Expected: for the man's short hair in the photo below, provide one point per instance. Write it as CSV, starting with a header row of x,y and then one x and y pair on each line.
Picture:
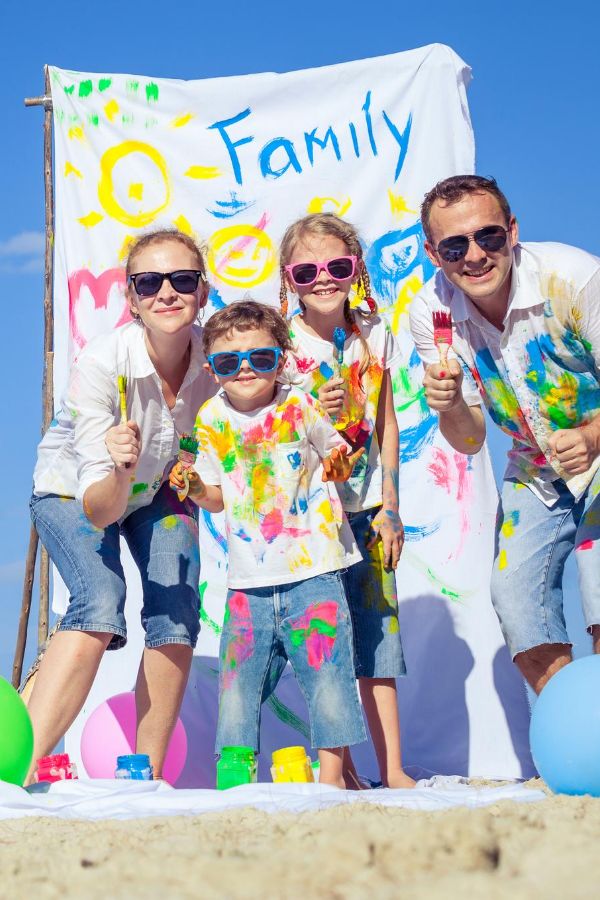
x,y
453,189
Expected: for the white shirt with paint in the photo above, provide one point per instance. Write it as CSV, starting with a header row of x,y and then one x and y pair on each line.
x,y
72,454
313,363
283,523
542,371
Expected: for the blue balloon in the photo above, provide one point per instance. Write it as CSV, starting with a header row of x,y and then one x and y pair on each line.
x,y
565,729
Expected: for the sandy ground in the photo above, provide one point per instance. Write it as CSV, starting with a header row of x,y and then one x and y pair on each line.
x,y
508,850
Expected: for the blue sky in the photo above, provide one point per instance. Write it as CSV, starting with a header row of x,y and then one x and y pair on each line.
x,y
533,100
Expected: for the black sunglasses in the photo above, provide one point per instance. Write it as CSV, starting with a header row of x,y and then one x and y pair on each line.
x,y
229,362
491,238
184,281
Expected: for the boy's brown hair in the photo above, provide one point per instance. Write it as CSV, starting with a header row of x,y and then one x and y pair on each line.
x,y
244,315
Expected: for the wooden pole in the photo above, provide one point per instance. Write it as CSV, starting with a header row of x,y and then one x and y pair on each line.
x,y
47,397
48,382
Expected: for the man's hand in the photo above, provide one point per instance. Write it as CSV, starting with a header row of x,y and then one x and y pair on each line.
x,y
442,385
338,465
331,396
387,527
124,445
575,448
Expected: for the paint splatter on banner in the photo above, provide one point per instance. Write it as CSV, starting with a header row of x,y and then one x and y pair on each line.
x,y
232,161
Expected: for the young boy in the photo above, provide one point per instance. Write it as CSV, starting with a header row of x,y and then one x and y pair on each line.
x,y
261,449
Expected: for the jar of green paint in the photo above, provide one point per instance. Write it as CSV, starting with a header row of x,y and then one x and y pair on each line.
x,y
236,765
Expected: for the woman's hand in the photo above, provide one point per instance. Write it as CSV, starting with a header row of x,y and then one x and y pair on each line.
x,y
331,396
124,445
387,527
338,465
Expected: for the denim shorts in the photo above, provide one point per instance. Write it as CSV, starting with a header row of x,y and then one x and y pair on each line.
x,y
373,601
305,622
163,540
533,542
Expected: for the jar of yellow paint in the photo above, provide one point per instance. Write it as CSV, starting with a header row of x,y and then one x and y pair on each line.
x,y
291,764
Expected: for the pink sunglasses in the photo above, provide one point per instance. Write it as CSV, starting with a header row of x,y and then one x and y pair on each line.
x,y
339,269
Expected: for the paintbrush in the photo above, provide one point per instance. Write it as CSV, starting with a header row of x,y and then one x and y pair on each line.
x,y
122,385
188,451
442,335
339,339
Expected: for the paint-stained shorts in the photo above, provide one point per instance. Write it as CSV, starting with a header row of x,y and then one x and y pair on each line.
x,y
308,623
373,601
533,542
163,540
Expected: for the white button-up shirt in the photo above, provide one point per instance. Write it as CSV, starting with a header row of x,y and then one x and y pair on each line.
x,y
72,454
542,371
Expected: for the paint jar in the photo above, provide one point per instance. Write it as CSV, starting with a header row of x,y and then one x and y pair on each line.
x,y
291,764
134,766
236,765
55,768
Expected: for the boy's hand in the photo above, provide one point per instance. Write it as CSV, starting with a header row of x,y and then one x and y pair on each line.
x,y
338,465
186,481
331,396
387,527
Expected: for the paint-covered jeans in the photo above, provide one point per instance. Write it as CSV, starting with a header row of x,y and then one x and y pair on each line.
x,y
373,601
308,623
163,540
533,542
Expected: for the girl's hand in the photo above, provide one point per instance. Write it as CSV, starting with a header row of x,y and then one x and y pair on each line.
x,y
338,465
331,396
387,527
123,443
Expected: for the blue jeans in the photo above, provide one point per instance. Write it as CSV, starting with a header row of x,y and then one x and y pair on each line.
x,y
533,542
373,601
308,623
163,540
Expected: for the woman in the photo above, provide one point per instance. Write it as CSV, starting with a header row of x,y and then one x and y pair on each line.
x,y
98,478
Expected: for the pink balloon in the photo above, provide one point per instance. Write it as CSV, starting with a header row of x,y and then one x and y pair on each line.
x,y
110,732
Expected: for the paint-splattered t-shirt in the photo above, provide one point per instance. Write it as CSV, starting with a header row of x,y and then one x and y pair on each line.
x,y
312,364
542,372
283,523
73,455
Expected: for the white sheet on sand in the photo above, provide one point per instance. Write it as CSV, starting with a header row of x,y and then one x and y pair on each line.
x,y
109,799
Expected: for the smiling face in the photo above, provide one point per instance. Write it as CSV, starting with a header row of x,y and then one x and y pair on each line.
x,y
247,390
326,297
484,276
167,311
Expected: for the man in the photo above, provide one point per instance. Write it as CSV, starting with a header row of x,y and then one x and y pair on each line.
x,y
526,334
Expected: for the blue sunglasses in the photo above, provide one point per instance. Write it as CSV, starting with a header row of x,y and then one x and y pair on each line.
x,y
229,362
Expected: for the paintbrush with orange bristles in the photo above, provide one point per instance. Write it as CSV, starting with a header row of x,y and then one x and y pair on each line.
x,y
442,335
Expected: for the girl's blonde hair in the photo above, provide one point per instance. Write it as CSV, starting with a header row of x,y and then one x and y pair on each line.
x,y
330,224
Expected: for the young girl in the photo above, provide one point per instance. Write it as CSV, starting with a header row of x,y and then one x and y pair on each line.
x,y
321,259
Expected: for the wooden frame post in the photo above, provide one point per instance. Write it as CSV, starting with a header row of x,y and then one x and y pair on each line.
x,y
47,398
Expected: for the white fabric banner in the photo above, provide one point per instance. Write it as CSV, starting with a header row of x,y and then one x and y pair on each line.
x,y
234,161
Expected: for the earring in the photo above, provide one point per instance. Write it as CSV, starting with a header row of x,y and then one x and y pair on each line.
x,y
200,315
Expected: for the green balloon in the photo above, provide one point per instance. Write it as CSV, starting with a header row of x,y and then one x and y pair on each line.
x,y
16,736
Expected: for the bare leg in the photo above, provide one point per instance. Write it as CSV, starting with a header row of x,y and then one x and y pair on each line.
x,y
538,665
159,689
62,683
596,638
330,766
351,780
380,703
